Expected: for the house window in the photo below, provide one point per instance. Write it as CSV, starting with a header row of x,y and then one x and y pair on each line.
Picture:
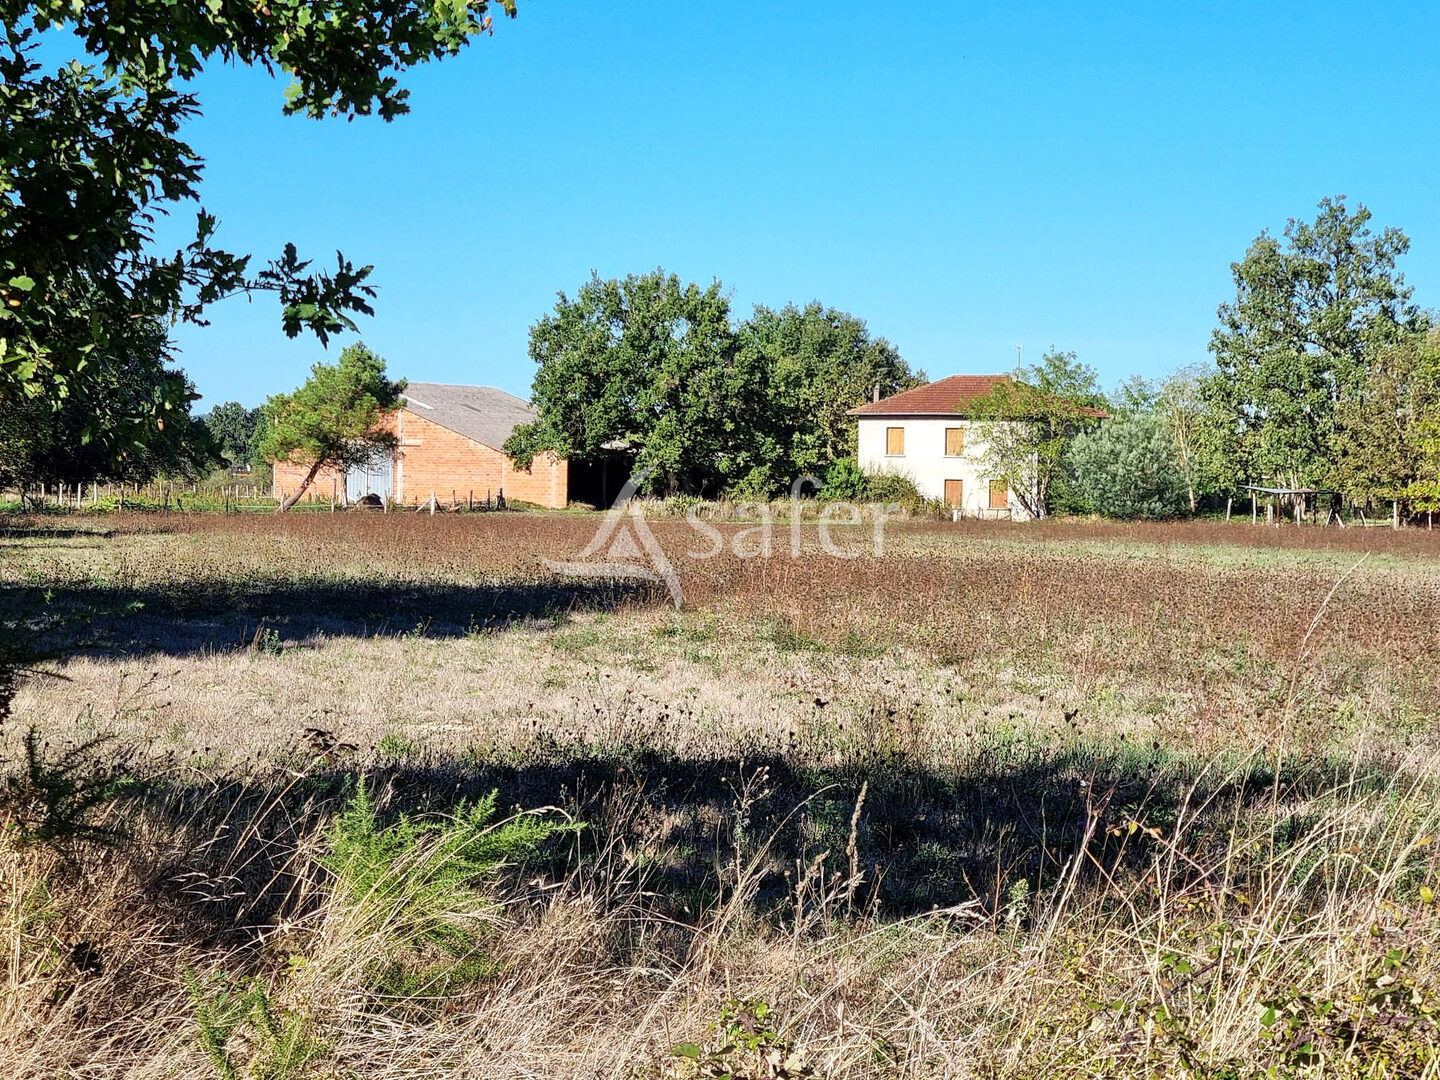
x,y
895,441
954,441
999,495
954,493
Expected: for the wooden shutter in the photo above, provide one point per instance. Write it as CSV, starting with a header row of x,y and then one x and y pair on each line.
x,y
954,492
895,441
999,495
954,441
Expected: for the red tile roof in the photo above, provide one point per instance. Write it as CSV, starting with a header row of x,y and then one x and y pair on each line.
x,y
944,397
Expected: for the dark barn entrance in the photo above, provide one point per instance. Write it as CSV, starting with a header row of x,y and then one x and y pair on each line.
x,y
598,480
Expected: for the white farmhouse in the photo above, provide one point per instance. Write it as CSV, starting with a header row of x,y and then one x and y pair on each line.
x,y
927,435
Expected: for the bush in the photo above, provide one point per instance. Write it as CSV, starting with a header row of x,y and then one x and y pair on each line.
x,y
279,1043
677,505
758,485
1127,468
54,799
421,883
844,480
894,488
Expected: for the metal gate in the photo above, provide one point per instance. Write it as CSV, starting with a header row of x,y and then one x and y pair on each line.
x,y
375,478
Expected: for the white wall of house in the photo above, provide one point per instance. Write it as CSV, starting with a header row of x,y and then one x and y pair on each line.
x,y
925,461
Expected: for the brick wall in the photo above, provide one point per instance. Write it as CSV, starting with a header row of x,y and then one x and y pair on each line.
x,y
289,475
435,459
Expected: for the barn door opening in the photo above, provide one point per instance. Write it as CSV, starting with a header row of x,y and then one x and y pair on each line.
x,y
373,478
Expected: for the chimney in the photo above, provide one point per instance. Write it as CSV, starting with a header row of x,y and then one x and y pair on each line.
x,y
877,393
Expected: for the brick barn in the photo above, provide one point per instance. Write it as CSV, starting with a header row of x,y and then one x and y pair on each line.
x,y
450,440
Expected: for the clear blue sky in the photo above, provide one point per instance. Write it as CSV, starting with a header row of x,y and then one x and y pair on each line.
x,y
964,176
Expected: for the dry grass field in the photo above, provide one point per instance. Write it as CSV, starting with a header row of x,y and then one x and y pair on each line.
x,y
1067,800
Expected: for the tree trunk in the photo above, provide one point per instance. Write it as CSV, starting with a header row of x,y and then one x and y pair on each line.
x,y
294,496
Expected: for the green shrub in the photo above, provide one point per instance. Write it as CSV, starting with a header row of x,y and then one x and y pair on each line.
x,y
279,1043
267,641
844,481
54,799
894,488
742,1045
420,883
1127,468
758,485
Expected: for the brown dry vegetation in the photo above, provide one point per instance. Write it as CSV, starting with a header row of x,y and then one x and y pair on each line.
x,y
1067,800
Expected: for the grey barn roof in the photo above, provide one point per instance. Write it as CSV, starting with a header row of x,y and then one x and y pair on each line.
x,y
482,413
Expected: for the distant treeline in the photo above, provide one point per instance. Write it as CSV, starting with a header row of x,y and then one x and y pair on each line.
x,y
1324,374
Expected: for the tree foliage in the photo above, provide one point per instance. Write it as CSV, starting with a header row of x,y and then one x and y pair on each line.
x,y
1386,428
1128,468
1308,311
1135,396
334,420
807,367
646,363
91,155
1181,402
655,365
1028,423
233,428
53,438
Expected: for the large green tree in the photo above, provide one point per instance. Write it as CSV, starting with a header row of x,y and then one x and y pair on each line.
x,y
233,427
808,366
1424,491
1127,468
654,365
333,421
49,439
648,364
1028,423
1309,308
91,154
1385,427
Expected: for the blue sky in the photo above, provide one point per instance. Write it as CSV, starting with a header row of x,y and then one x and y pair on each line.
x,y
966,177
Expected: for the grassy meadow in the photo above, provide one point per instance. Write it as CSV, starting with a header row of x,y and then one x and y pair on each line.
x,y
383,796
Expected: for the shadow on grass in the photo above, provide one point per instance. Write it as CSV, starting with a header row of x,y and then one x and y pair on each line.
x,y
94,618
673,825
22,532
